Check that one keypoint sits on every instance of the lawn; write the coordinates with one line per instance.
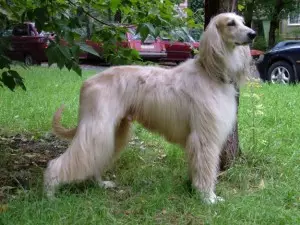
(262, 187)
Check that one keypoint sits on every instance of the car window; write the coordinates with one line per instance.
(180, 35)
(20, 30)
(138, 36)
(6, 33)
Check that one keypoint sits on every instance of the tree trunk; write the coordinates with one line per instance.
(274, 24)
(118, 16)
(213, 7)
(272, 33)
(249, 12)
(231, 147)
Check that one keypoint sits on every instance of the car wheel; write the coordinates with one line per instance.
(28, 60)
(281, 72)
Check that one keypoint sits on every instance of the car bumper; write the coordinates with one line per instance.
(153, 55)
(261, 67)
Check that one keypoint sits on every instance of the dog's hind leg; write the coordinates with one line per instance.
(122, 135)
(203, 156)
(90, 152)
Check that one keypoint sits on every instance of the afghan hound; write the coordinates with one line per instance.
(192, 104)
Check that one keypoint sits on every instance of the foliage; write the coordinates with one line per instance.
(197, 6)
(67, 17)
(260, 43)
(265, 9)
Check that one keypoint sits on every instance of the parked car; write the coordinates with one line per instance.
(151, 49)
(181, 48)
(281, 64)
(256, 53)
(27, 44)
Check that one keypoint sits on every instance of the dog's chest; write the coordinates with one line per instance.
(235, 62)
(226, 109)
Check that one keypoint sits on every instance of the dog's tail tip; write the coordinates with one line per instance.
(58, 129)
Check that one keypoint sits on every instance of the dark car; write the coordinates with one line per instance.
(281, 64)
(27, 44)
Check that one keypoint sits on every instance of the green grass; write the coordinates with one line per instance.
(47, 89)
(261, 188)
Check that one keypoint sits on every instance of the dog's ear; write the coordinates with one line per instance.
(212, 39)
(213, 50)
(211, 43)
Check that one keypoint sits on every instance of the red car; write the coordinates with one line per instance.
(27, 44)
(181, 48)
(256, 53)
(151, 49)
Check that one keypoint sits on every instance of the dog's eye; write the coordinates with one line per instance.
(231, 23)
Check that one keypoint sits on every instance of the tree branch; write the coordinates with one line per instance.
(91, 16)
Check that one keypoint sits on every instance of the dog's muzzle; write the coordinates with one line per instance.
(251, 35)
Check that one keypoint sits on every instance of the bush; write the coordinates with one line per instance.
(260, 43)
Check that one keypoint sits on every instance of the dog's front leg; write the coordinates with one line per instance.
(203, 156)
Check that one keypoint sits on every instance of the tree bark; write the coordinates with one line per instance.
(118, 16)
(231, 148)
(249, 12)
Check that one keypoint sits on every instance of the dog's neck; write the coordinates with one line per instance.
(228, 66)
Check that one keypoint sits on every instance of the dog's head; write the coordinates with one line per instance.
(226, 35)
(232, 30)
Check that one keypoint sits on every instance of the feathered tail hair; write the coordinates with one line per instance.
(57, 127)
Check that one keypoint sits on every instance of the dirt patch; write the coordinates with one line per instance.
(23, 160)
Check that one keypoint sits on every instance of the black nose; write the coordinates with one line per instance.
(252, 35)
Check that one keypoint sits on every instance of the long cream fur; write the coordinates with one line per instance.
(192, 104)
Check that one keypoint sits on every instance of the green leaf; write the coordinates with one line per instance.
(144, 30)
(11, 79)
(114, 4)
(75, 50)
(18, 79)
(87, 48)
(8, 80)
(241, 7)
(55, 54)
(4, 62)
(52, 53)
(77, 69)
(65, 51)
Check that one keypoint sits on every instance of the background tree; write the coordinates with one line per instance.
(231, 148)
(197, 7)
(272, 10)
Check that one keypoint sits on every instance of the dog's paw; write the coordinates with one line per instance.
(213, 199)
(107, 184)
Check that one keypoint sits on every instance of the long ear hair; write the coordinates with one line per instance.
(212, 52)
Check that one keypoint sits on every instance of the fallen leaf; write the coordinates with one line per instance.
(30, 155)
(127, 212)
(3, 208)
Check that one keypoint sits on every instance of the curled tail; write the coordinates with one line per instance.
(58, 129)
